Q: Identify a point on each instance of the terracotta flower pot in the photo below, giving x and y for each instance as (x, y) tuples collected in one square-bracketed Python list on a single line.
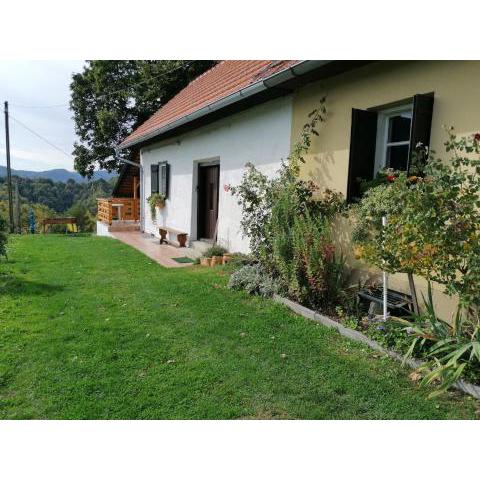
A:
[(160, 205), (216, 260), (226, 258), (205, 261)]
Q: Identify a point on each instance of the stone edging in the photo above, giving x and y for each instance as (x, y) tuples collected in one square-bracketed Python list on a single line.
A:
[(465, 387)]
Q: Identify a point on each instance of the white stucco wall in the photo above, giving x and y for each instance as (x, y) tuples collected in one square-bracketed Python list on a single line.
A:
[(102, 230), (260, 135)]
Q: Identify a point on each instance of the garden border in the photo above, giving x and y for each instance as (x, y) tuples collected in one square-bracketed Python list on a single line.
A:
[(465, 387)]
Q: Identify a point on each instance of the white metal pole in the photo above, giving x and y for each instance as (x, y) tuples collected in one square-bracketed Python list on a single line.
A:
[(385, 280)]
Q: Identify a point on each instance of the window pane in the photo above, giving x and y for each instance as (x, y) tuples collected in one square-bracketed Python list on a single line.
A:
[(399, 128), (397, 157)]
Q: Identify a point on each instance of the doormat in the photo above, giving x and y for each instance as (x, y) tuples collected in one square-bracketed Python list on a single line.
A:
[(183, 260)]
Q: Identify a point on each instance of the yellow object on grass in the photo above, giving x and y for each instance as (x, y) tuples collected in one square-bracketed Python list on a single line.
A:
[(72, 228)]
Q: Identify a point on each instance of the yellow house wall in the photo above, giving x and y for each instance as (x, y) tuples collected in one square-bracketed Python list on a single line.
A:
[(456, 85)]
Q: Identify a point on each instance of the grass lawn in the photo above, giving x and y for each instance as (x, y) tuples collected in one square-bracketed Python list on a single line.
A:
[(90, 328)]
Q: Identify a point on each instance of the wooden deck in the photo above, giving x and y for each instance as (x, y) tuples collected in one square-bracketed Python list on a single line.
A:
[(124, 209)]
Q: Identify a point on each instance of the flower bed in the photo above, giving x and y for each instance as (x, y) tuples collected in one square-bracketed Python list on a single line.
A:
[(462, 385)]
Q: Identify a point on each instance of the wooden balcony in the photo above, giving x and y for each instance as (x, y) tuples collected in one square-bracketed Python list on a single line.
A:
[(123, 209)]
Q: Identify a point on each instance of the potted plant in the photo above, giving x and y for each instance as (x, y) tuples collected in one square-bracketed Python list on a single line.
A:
[(205, 261), (216, 252), (226, 258), (155, 200)]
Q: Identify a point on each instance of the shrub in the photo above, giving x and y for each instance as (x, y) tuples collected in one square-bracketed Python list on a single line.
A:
[(3, 237), (215, 251), (452, 351), (86, 222), (238, 260), (288, 225), (254, 280), (433, 225), (257, 193), (304, 257)]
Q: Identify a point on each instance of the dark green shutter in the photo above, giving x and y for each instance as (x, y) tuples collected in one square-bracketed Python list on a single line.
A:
[(164, 178), (363, 139), (421, 122), (154, 178)]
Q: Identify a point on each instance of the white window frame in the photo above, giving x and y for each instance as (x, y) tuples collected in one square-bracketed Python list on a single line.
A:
[(382, 134)]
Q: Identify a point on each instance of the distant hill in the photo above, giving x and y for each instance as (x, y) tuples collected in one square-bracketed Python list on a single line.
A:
[(57, 174)]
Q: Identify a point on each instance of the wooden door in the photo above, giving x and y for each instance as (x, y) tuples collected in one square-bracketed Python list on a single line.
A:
[(208, 179)]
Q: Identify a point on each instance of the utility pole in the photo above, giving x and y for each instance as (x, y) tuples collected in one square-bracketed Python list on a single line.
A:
[(9, 171)]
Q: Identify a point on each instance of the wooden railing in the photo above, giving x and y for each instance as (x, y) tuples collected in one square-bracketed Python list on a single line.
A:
[(109, 209)]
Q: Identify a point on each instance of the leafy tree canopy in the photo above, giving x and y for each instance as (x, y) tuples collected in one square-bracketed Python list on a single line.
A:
[(59, 196), (112, 97)]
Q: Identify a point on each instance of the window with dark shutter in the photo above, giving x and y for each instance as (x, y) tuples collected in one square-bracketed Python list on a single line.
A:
[(154, 178), (421, 122), (363, 139), (164, 178), (387, 138)]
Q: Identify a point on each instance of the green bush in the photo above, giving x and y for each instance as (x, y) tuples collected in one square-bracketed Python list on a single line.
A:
[(215, 251), (3, 237), (288, 225), (304, 257), (238, 260), (433, 226), (86, 221), (254, 280)]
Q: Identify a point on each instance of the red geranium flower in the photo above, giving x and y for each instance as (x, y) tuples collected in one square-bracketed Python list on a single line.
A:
[(391, 178)]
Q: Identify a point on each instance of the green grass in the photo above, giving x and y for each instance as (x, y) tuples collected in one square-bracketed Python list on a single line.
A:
[(90, 328)]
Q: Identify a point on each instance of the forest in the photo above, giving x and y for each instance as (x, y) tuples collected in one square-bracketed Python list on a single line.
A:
[(47, 198)]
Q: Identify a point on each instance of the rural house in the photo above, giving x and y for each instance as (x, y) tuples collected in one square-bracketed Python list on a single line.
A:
[(197, 144), (377, 113)]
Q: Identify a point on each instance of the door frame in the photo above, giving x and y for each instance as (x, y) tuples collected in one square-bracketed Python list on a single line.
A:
[(199, 165)]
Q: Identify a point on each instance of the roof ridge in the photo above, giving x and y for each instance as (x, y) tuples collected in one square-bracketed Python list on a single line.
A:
[(225, 78)]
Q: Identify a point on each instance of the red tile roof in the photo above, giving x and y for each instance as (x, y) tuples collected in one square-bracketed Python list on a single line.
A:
[(225, 78)]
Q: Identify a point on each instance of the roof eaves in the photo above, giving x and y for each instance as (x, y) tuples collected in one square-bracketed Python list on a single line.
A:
[(256, 87)]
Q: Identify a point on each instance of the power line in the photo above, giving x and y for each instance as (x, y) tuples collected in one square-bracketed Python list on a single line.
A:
[(41, 137), (39, 106), (108, 94)]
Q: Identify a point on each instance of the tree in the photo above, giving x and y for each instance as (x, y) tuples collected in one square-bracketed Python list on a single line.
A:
[(112, 97), (86, 220)]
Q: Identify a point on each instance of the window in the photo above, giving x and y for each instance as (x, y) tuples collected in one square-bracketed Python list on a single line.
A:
[(154, 178), (160, 178), (164, 178), (386, 137), (393, 138)]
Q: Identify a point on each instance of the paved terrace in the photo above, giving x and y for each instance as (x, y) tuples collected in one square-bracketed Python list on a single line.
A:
[(162, 254)]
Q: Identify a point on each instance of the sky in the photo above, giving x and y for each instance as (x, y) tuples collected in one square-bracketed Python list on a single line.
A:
[(38, 83)]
